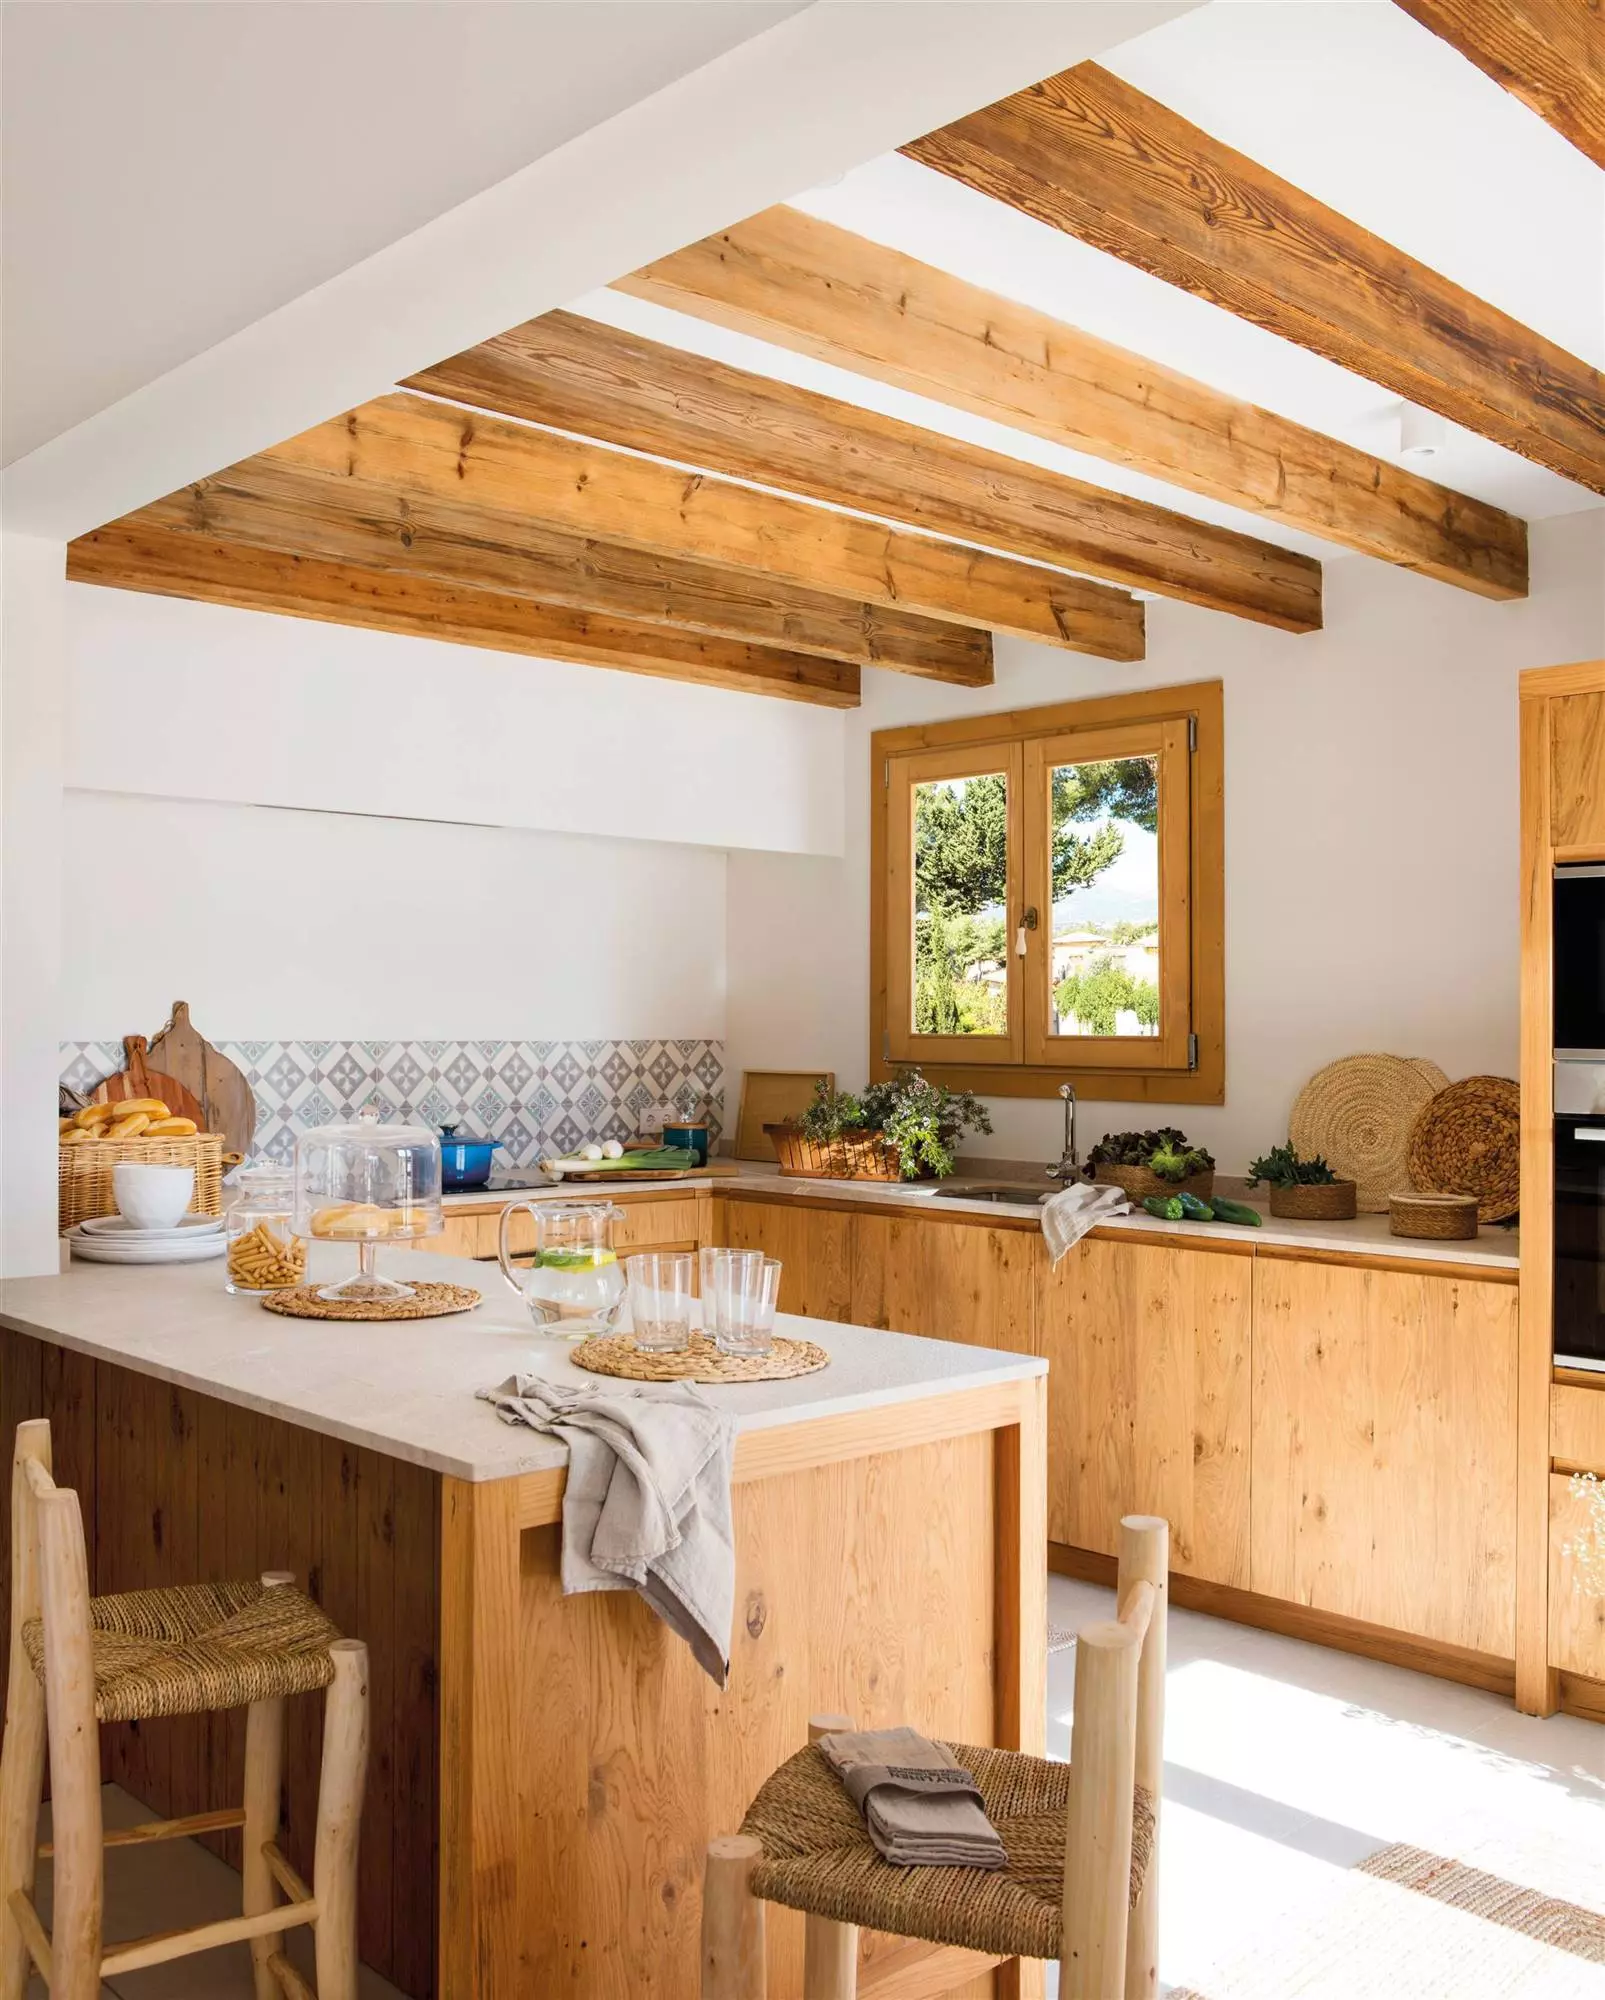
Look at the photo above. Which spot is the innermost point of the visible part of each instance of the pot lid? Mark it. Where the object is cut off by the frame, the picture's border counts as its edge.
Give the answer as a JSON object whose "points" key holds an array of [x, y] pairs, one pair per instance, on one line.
{"points": [[451, 1136]]}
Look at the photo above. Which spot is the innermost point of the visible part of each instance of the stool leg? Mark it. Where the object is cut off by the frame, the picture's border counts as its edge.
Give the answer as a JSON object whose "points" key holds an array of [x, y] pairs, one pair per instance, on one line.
{"points": [[22, 1777], [264, 1775], [830, 1950], [334, 1866], [76, 1830], [22, 1758], [732, 1922]]}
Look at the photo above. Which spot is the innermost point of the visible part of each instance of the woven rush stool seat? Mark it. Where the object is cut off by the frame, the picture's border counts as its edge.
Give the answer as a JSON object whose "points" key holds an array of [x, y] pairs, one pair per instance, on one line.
{"points": [[818, 1856], [199, 1646]]}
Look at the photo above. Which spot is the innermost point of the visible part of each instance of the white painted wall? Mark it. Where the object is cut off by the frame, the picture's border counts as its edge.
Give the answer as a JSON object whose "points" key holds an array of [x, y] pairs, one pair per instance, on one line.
{"points": [[1371, 840], [176, 700], [277, 925]]}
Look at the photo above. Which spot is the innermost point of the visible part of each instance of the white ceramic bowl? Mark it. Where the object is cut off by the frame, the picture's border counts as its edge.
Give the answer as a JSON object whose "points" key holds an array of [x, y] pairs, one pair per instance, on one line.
{"points": [[152, 1197]]}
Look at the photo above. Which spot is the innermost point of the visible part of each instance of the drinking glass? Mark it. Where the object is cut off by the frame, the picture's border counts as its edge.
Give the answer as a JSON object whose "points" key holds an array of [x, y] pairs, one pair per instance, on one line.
{"points": [[747, 1297], [660, 1300], [710, 1262]]}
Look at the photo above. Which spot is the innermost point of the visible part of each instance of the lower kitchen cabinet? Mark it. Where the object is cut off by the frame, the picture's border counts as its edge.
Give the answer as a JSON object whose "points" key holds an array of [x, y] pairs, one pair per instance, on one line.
{"points": [[947, 1280], [815, 1249], [1576, 1610], [1149, 1380], [1384, 1448]]}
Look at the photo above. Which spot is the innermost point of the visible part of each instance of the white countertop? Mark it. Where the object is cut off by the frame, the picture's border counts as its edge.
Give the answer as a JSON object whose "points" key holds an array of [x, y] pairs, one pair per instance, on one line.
{"points": [[1366, 1236], [406, 1387]]}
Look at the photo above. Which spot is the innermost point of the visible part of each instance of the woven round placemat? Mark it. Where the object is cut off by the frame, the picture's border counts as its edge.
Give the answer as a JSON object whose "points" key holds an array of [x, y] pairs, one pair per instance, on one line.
{"points": [[427, 1302], [1357, 1114], [1467, 1140], [617, 1354]]}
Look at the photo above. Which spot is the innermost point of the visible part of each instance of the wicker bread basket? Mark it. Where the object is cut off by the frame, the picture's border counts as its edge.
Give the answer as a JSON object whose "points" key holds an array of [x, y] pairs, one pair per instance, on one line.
{"points": [[851, 1156], [1315, 1201], [1443, 1218], [84, 1175], [1140, 1182]]}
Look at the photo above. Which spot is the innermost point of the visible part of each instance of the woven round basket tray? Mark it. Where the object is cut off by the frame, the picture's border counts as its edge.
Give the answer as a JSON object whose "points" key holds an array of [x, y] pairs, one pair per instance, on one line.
{"points": [[617, 1354], [1467, 1140], [427, 1302], [1440, 1218], [1357, 1114]]}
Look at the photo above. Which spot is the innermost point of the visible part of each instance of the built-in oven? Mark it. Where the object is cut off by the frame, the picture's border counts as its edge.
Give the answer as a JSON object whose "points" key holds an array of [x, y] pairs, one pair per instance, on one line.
{"points": [[1580, 962], [1580, 1240]]}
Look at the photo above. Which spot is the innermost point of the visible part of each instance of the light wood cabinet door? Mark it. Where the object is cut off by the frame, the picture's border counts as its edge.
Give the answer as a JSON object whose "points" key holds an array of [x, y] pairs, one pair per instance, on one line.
{"points": [[815, 1249], [1576, 1608], [947, 1280], [1384, 1455], [1577, 770], [1148, 1351]]}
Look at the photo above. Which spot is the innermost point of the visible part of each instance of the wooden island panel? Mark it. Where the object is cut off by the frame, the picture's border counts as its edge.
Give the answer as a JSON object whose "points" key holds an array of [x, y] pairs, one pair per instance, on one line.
{"points": [[1149, 1382], [1384, 1449]]}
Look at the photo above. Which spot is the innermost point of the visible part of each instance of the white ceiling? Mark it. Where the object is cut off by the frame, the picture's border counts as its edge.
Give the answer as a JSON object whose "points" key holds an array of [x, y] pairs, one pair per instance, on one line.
{"points": [[1348, 99], [171, 173]]}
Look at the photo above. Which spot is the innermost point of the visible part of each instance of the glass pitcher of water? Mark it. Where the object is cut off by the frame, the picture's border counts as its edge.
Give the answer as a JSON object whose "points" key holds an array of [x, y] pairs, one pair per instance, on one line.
{"points": [[574, 1285]]}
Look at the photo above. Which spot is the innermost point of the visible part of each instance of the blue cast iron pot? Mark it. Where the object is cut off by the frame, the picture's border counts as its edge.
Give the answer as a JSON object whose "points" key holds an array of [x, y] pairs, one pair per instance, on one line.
{"points": [[464, 1163]]}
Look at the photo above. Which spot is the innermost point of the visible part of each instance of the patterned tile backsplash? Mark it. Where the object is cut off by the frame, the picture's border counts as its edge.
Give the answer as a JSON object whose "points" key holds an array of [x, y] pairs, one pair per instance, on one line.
{"points": [[536, 1098]]}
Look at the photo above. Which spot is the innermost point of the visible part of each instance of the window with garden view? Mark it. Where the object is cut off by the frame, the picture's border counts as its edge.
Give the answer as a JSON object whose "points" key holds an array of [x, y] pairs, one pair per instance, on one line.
{"points": [[1050, 892]]}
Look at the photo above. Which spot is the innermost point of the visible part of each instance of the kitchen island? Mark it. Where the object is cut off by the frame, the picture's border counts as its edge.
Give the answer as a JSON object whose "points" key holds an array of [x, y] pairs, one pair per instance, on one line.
{"points": [[565, 1760]]}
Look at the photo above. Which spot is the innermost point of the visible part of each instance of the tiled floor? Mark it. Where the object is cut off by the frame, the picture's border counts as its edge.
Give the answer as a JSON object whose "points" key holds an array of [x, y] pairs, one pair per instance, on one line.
{"points": [[1286, 1764]]}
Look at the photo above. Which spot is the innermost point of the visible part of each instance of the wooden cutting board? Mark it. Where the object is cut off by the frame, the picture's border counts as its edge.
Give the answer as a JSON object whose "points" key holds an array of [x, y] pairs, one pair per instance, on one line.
{"points": [[183, 1052], [140, 1080]]}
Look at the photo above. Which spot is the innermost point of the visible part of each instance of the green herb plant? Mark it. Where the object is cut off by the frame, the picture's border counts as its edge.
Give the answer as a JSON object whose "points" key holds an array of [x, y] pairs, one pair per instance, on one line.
{"points": [[1167, 1152], [923, 1120], [1282, 1167]]}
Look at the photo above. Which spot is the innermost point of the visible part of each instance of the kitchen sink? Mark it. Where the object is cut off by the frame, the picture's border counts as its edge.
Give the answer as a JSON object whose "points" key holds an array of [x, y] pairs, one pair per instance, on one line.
{"points": [[1026, 1197]]}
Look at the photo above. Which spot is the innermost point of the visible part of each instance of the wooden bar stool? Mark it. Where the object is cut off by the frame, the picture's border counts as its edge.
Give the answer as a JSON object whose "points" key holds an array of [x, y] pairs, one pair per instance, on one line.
{"points": [[1082, 1838], [78, 1661]]}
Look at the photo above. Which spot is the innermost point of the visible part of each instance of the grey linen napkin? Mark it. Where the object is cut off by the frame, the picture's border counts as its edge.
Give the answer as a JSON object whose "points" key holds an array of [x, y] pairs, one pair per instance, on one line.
{"points": [[647, 1504], [921, 1810]]}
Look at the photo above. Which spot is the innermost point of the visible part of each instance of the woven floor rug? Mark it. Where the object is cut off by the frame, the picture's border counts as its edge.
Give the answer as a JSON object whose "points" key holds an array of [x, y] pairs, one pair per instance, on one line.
{"points": [[1452, 1933]]}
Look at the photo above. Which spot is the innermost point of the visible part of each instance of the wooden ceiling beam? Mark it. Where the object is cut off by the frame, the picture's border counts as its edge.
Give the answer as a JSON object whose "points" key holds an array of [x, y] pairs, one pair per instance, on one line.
{"points": [[1088, 154], [176, 564], [806, 285], [265, 505], [413, 446], [1549, 53], [581, 375]]}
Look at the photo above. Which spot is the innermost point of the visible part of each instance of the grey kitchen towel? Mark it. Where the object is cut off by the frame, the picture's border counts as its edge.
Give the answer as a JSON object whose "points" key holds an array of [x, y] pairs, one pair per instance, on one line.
{"points": [[647, 1504], [922, 1810], [1069, 1214]]}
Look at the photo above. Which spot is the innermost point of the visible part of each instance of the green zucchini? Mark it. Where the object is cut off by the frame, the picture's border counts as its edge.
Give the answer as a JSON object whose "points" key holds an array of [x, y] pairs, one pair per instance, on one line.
{"points": [[1194, 1209], [1236, 1211], [1167, 1207]]}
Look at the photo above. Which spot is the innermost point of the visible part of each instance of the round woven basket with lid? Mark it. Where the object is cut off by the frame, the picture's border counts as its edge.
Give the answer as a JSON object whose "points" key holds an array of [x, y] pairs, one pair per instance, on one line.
{"points": [[1357, 1114], [1467, 1140]]}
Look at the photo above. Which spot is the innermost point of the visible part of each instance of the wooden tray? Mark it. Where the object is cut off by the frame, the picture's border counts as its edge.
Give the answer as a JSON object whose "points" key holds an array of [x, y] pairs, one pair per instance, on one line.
{"points": [[598, 1175]]}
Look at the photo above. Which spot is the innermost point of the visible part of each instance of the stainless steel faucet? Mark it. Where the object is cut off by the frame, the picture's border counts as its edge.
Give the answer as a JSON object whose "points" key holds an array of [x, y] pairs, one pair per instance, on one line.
{"points": [[1069, 1167]]}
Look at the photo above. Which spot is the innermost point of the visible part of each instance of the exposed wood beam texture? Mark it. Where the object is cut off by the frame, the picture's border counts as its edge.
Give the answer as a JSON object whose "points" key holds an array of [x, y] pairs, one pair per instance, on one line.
{"points": [[303, 513], [1086, 153], [581, 375], [819, 290], [414, 446], [1549, 53], [173, 564]]}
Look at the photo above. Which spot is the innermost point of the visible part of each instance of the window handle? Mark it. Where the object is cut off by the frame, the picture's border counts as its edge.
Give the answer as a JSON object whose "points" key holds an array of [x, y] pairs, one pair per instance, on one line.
{"points": [[1028, 923]]}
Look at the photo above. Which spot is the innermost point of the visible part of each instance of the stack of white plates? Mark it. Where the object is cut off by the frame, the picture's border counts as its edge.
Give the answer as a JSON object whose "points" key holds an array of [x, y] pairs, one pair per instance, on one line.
{"points": [[110, 1239]]}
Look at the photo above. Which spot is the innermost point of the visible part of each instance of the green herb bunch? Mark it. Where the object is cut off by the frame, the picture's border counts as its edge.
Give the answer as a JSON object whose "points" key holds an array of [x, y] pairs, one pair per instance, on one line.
{"points": [[923, 1120], [1282, 1167]]}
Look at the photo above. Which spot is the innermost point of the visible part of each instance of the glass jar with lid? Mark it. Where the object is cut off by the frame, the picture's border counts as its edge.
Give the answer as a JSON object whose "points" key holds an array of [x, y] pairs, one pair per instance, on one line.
{"points": [[264, 1252], [368, 1183]]}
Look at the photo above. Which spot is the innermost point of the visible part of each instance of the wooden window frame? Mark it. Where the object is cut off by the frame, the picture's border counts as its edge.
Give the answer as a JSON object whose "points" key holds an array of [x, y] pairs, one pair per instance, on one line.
{"points": [[1027, 1070]]}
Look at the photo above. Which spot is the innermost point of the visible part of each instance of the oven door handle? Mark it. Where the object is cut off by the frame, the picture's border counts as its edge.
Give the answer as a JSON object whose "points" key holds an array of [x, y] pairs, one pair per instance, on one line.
{"points": [[1588, 1135]]}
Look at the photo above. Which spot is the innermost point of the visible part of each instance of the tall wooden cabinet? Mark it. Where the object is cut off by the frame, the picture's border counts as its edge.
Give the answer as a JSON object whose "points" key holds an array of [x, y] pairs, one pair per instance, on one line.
{"points": [[1558, 1626]]}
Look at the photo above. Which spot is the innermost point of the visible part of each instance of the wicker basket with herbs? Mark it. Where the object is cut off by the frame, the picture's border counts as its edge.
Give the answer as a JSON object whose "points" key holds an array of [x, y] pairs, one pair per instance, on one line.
{"points": [[906, 1128], [1152, 1163], [1303, 1190]]}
